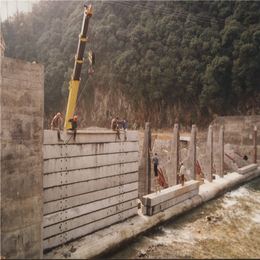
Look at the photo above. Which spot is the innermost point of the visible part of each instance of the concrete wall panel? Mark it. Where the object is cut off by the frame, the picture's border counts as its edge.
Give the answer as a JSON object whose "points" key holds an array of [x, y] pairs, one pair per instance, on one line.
{"points": [[51, 151], [73, 163], [88, 184], [68, 177], [50, 137]]}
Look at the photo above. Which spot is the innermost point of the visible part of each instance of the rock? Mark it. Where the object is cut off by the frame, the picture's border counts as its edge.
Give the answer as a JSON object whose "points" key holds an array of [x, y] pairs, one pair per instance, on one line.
{"points": [[73, 249]]}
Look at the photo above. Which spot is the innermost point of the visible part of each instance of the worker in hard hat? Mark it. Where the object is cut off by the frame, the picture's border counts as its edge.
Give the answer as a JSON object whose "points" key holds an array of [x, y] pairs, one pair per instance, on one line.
{"points": [[55, 124], [74, 125]]}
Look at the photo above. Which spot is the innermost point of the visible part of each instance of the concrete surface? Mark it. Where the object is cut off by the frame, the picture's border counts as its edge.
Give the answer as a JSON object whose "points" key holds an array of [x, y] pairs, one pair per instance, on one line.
{"points": [[89, 183], [21, 113], [103, 241]]}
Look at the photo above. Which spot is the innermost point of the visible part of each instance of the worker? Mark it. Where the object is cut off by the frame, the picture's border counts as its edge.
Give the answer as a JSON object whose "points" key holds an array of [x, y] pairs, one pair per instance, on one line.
{"points": [[181, 174], [55, 125], [156, 177], [74, 125], [123, 123], [114, 126], [156, 163]]}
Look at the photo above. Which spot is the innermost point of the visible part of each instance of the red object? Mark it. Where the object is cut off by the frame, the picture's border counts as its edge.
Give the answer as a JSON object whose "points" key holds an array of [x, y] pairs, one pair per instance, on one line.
{"points": [[198, 169], [230, 157], [161, 180]]}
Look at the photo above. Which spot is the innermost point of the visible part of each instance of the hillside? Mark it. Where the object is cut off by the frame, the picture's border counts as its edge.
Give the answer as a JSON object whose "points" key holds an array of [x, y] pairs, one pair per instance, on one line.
{"points": [[165, 62]]}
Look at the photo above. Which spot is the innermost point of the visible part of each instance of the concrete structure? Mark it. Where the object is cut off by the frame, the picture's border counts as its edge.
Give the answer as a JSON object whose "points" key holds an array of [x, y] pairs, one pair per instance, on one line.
{"points": [[2, 45], [190, 161], [22, 111], [89, 183], [170, 168], [206, 160], [115, 236], [239, 132], [157, 202], [145, 174], [218, 155]]}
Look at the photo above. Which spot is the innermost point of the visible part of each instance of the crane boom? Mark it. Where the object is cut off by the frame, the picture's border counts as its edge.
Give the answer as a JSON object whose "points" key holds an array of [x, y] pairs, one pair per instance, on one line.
{"points": [[75, 78]]}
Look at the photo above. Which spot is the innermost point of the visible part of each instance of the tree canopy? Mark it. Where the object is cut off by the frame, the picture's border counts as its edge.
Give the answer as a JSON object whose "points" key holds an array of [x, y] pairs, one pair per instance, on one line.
{"points": [[201, 57]]}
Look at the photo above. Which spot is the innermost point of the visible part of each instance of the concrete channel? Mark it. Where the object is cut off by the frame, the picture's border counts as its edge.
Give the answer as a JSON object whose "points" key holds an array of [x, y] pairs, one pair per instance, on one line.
{"points": [[106, 240]]}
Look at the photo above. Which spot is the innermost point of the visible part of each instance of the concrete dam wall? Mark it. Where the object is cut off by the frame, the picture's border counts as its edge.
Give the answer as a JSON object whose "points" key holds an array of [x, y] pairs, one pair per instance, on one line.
{"points": [[88, 184]]}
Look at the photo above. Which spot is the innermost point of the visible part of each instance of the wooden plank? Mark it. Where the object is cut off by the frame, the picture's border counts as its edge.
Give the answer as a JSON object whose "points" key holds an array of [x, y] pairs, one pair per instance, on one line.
{"points": [[74, 163], [54, 206], [87, 229], [88, 218], [73, 150], [65, 191], [66, 214], [69, 177]]}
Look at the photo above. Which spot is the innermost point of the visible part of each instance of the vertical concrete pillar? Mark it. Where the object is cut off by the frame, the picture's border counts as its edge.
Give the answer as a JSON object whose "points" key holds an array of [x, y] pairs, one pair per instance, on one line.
{"points": [[209, 154], [255, 144], [221, 145], [192, 152], [145, 176], [175, 156]]}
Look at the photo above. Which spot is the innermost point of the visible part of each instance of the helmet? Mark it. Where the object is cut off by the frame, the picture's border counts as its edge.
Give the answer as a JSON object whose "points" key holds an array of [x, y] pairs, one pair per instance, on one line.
{"points": [[75, 118], [58, 115]]}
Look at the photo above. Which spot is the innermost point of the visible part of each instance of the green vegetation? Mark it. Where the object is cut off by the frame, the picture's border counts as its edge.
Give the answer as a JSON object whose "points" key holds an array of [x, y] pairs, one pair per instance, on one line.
{"points": [[200, 58]]}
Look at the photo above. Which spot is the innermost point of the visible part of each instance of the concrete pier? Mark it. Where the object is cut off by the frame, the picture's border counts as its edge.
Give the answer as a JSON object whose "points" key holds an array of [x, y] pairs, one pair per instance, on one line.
{"points": [[114, 236]]}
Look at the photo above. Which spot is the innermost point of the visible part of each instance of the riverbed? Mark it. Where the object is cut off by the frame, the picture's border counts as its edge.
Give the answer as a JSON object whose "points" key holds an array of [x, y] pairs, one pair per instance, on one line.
{"points": [[226, 227]]}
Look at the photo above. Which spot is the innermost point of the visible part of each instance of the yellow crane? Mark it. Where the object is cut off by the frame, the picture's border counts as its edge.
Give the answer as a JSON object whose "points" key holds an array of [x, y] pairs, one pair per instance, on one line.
{"points": [[75, 78]]}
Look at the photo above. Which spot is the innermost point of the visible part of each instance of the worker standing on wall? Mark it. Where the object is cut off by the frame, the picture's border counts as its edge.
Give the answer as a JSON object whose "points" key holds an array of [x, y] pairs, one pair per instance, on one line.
{"points": [[55, 124], [123, 123], [74, 125], [114, 126], [181, 174]]}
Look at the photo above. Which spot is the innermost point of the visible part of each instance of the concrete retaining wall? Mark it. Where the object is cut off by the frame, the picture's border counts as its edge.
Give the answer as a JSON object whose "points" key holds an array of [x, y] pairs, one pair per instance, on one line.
{"points": [[238, 131], [22, 108], [88, 184]]}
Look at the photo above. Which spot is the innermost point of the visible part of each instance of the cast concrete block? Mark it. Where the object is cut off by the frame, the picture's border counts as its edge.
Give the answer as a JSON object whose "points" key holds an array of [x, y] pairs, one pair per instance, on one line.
{"points": [[247, 168], [54, 206], [69, 177], [81, 231], [90, 217], [52, 151], [175, 191], [73, 163], [50, 137]]}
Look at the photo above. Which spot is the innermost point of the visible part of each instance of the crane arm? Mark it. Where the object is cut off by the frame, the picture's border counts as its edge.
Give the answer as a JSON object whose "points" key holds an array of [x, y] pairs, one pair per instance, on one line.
{"points": [[75, 78]]}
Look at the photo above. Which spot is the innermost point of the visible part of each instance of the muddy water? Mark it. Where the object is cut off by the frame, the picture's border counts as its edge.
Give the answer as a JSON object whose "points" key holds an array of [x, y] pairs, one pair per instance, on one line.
{"points": [[226, 227]]}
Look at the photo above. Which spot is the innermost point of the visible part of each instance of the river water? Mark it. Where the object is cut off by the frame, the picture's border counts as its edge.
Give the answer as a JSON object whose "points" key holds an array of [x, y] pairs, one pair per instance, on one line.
{"points": [[226, 227]]}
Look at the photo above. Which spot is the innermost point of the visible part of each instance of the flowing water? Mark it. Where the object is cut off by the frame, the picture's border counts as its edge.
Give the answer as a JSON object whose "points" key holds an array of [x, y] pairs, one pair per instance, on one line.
{"points": [[226, 227]]}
